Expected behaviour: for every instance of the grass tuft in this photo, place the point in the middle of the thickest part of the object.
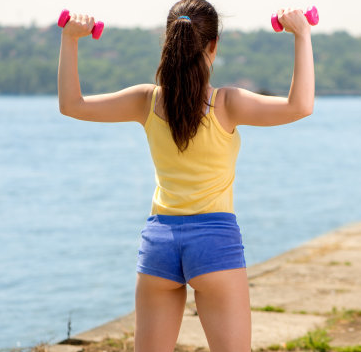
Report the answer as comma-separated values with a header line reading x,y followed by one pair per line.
x,y
316,340
348,349
270,309
275,347
299,312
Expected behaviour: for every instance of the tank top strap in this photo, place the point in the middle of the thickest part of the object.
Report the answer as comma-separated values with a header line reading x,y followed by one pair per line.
x,y
154,96
211,101
152,108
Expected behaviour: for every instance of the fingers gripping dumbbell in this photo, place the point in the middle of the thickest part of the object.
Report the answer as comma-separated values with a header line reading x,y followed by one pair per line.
x,y
311,15
96,31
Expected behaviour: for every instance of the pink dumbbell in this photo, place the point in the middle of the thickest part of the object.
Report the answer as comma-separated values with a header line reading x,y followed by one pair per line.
x,y
96,31
311,15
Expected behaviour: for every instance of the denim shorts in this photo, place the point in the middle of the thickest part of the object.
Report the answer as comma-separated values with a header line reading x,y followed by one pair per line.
x,y
180,247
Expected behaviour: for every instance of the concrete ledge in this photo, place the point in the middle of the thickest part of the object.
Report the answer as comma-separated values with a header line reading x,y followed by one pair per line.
x,y
278,328
113,329
63,348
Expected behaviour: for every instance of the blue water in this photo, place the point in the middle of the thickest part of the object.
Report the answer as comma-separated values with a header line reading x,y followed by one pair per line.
x,y
75,195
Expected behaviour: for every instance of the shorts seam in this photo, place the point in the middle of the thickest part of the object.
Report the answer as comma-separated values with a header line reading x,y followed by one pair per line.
x,y
218,267
158,272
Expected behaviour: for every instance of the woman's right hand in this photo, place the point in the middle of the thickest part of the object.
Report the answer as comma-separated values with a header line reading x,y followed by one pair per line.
x,y
294,21
79,26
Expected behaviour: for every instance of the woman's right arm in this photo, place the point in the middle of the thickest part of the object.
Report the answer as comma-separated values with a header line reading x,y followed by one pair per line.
x,y
129,104
248,108
68,79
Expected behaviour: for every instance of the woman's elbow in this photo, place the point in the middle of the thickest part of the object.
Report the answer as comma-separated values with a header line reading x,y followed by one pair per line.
x,y
63,109
304,111
308,110
68,109
308,107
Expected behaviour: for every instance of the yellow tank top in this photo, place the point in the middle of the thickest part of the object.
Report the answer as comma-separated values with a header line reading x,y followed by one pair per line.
x,y
200,180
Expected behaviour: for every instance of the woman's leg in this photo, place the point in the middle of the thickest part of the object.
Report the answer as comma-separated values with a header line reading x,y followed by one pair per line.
x,y
222,299
159,308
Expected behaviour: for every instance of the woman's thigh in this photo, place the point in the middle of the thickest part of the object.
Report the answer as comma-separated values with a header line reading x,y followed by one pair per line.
x,y
223,305
159,308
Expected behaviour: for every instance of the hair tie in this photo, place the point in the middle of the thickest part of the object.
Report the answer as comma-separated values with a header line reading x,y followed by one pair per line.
x,y
185,17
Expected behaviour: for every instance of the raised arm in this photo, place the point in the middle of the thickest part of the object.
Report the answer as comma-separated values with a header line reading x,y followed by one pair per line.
x,y
248,108
130,104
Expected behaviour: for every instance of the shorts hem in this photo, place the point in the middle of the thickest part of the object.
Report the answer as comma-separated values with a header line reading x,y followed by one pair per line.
x,y
156,272
208,269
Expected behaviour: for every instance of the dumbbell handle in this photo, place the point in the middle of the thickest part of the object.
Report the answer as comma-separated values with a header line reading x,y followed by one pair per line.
x,y
96,31
311,15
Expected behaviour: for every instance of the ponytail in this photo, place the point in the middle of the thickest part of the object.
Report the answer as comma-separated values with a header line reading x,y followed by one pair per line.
x,y
183,73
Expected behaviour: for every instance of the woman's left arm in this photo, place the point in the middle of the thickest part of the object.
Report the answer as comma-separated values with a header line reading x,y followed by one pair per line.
x,y
248,108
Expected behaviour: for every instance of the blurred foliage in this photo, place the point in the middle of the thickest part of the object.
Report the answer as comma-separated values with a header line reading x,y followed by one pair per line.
x,y
260,61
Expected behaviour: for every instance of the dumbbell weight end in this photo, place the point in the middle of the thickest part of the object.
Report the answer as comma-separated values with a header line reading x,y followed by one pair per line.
x,y
63,18
97,30
312,15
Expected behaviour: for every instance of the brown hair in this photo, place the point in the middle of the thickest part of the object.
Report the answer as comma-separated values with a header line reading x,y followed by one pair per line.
x,y
183,73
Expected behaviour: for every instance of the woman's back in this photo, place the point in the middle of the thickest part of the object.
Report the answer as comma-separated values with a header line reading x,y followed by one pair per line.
x,y
200,179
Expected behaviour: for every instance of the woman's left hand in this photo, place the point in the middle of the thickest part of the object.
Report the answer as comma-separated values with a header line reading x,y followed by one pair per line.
x,y
294,21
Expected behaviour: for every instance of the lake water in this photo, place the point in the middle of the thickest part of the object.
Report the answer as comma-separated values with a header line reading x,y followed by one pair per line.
x,y
75,195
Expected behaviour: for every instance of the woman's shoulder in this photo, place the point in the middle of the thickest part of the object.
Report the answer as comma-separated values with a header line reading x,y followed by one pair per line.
x,y
235,103
224,94
149,89
223,98
145,91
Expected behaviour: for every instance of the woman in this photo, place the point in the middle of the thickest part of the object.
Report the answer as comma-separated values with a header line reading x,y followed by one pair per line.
x,y
191,235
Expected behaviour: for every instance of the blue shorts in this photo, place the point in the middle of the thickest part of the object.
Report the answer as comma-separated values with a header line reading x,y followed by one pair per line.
x,y
180,247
